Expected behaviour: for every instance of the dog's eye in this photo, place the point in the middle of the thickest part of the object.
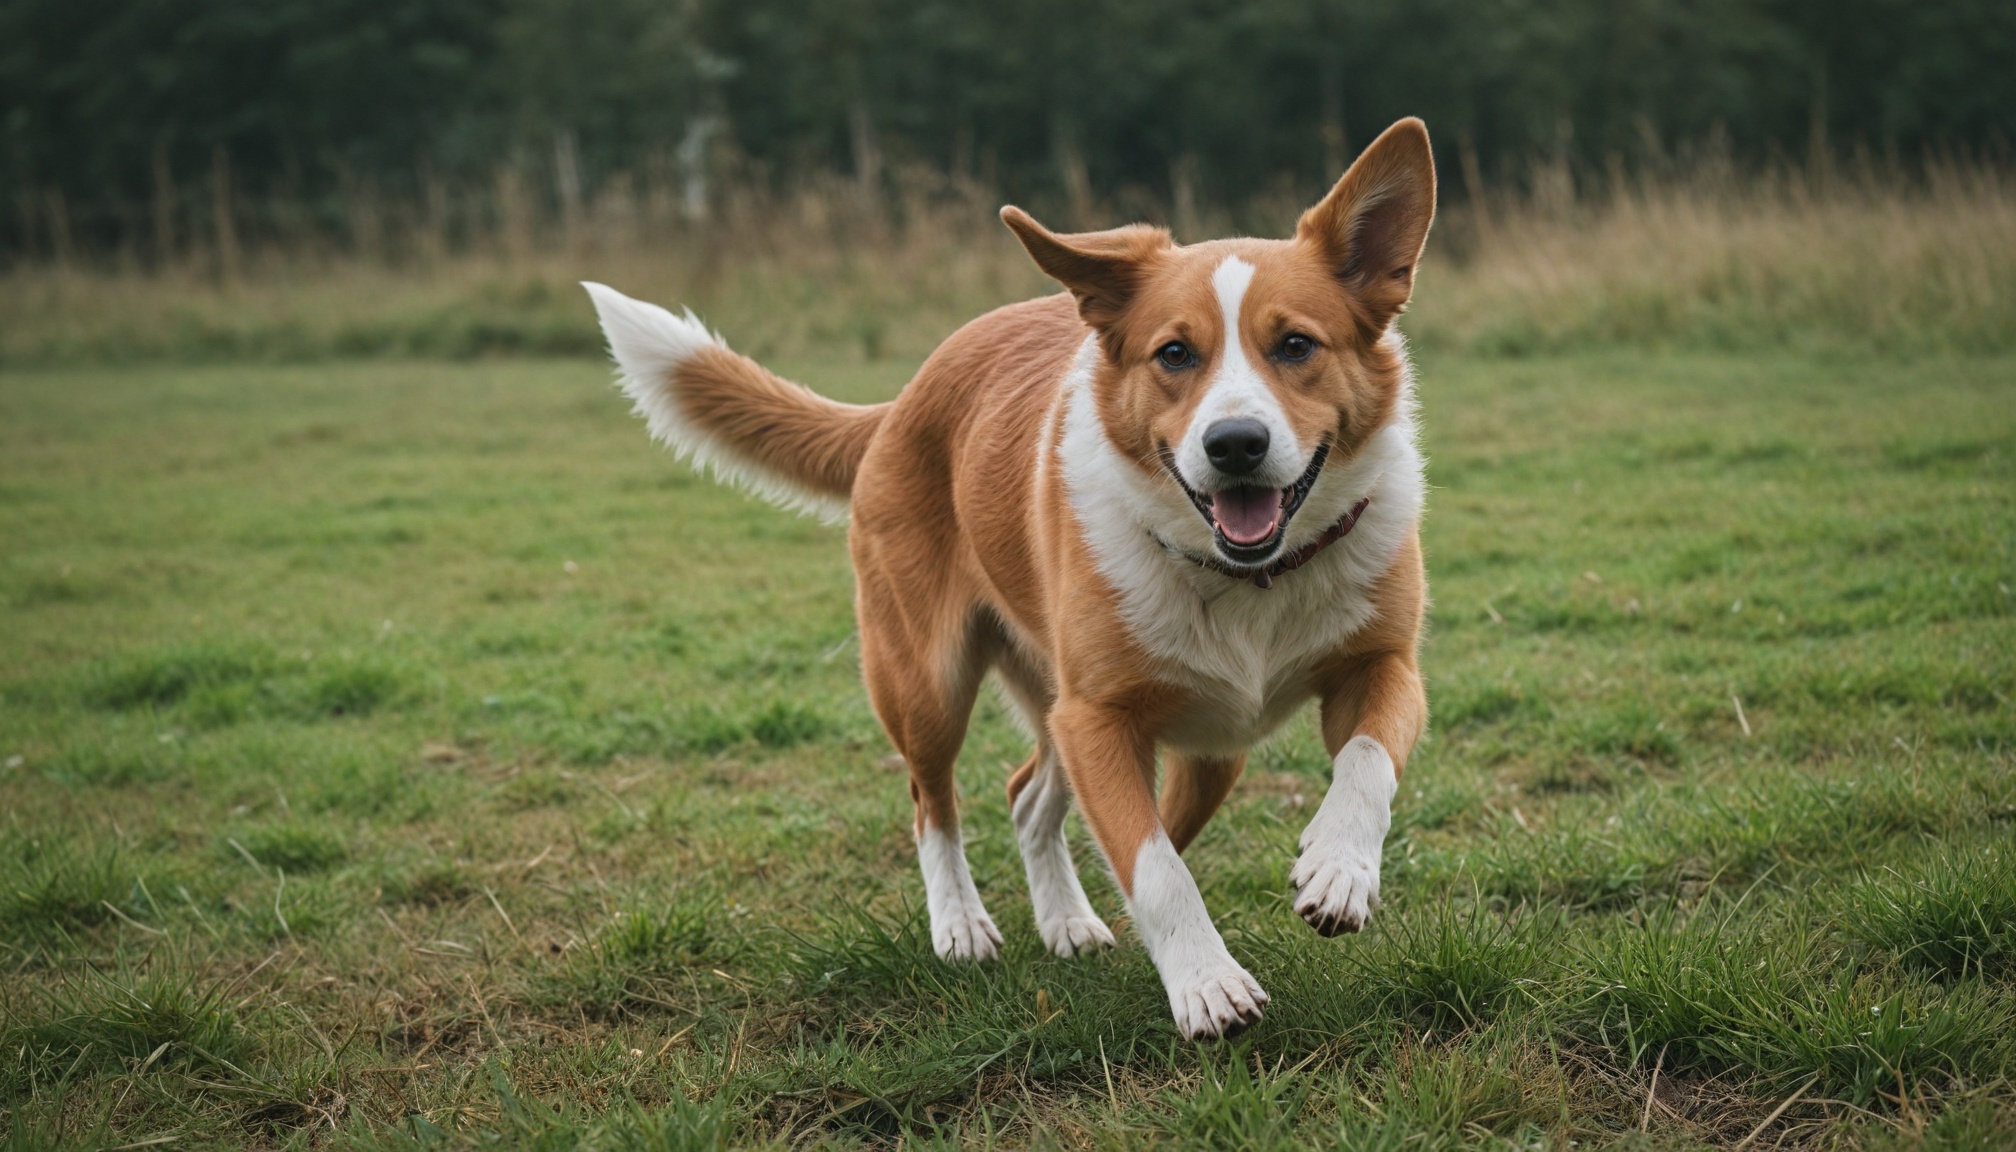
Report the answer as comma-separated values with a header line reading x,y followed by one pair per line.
x,y
1296,348
1176,354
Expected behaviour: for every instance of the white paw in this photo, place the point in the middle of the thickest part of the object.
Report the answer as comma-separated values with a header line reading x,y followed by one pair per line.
x,y
1334,895
966,933
1067,936
1223,1000
960,926
1337,876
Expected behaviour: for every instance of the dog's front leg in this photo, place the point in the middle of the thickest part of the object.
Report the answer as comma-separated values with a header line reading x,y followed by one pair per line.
x,y
1112,767
1372,715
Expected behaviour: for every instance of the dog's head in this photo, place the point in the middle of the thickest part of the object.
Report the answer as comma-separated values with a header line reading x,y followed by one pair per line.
x,y
1237,371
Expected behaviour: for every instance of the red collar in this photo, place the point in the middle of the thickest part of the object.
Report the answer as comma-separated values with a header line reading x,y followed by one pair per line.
x,y
1263,578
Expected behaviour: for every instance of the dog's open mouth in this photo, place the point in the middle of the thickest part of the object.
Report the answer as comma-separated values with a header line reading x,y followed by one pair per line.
x,y
1247,523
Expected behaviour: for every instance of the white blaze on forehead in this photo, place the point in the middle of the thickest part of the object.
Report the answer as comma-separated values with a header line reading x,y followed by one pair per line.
x,y
1236,389
1230,281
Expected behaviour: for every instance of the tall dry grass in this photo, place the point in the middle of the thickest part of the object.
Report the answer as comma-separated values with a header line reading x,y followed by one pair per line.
x,y
1810,257
1863,259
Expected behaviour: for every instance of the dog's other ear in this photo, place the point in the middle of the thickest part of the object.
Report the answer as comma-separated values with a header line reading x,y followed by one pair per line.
x,y
1102,269
1372,226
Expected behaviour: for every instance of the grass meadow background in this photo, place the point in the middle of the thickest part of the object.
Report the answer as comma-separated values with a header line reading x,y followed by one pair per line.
x,y
400,752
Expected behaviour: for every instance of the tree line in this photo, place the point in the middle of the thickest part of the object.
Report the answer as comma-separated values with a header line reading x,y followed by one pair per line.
x,y
122,120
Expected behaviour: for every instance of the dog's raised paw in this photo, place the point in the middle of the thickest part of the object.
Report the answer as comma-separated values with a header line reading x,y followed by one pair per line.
x,y
1335,896
965,935
1219,1004
1069,936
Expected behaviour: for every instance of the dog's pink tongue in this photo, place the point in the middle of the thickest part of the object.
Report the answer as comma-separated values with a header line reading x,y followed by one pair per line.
x,y
1246,515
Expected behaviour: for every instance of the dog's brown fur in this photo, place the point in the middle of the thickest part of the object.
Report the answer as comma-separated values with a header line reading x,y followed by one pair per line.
x,y
966,548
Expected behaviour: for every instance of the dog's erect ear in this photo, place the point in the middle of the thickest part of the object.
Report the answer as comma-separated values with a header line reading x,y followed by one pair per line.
x,y
1373,224
1102,269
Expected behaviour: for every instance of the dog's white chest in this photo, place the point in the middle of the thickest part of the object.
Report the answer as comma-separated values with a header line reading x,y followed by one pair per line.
x,y
1243,656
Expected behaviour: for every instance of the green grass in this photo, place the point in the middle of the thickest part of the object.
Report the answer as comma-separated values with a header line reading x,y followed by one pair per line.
x,y
409,756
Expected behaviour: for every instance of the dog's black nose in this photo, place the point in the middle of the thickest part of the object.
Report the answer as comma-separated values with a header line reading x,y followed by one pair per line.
x,y
1236,446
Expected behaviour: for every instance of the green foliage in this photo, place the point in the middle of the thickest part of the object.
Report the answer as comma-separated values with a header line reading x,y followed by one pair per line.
x,y
786,725
352,690
48,887
538,790
168,678
111,763
1235,1109
337,100
291,847
1969,1125
1449,1098
97,1021
1449,967
216,686
1462,705
704,730
1951,916
428,883
1632,731
1772,999
661,877
639,960
679,1126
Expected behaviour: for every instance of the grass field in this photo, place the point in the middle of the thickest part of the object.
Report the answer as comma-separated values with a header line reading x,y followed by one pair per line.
x,y
409,755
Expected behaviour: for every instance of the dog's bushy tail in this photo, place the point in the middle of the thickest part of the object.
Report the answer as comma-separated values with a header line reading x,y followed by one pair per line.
x,y
725,412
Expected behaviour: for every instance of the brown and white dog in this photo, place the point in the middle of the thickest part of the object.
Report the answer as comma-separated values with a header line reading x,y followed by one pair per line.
x,y
1165,510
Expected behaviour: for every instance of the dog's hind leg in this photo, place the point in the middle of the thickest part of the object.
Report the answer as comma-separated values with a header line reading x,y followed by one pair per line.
x,y
1192,789
924,700
1040,797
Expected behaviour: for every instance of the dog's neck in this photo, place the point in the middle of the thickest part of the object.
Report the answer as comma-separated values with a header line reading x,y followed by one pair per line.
x,y
1263,578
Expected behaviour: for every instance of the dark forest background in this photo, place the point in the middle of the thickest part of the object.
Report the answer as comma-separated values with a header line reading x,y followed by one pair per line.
x,y
116,112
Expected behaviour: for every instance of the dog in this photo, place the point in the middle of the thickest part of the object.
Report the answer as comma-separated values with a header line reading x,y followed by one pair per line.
x,y
1165,508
